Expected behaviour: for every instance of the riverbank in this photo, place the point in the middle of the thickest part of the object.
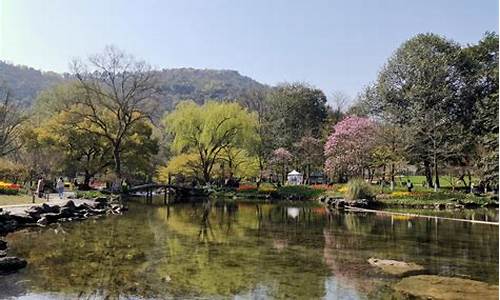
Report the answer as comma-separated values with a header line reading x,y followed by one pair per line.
x,y
15,217
421,199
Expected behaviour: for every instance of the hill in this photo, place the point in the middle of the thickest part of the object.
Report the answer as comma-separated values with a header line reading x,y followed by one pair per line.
x,y
176,84
201,85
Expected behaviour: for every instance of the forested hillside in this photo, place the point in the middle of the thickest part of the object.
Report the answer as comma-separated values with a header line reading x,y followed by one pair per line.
x,y
199,85
24,83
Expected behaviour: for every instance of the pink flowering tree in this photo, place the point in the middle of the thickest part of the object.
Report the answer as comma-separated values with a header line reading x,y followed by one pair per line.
x,y
281,157
348,148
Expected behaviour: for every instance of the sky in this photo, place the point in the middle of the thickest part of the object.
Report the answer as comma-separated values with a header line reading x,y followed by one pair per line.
x,y
338,46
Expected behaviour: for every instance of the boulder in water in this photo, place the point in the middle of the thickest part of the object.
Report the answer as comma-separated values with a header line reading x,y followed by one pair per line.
x,y
439,287
10,264
395,267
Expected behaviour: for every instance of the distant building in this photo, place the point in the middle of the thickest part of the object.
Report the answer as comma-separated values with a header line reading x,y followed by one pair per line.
x,y
294,178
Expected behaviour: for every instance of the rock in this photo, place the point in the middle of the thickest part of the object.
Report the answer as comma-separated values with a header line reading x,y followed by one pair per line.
x,y
51,217
22,218
439,206
66,212
42,221
35,211
439,287
83,206
470,205
8,225
396,268
50,208
10,264
101,199
3,245
362,203
70,205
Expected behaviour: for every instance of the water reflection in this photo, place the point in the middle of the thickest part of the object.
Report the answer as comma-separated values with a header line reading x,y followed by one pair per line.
x,y
242,250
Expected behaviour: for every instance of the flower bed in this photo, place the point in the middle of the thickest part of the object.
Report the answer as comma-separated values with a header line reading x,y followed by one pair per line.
x,y
246,188
7,188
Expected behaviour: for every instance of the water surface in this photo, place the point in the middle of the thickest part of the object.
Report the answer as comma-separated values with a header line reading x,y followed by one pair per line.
x,y
240,250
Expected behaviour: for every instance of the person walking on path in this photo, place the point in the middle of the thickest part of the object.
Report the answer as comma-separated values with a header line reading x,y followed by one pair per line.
x,y
40,187
60,187
409,185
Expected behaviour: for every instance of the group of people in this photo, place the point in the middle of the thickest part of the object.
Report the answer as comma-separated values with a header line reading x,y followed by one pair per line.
x,y
59,186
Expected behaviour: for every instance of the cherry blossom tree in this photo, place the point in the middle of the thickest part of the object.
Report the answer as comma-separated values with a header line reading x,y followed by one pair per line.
x,y
348,148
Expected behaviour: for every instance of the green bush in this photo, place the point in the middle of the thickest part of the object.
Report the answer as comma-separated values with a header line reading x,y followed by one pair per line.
x,y
298,192
4,191
88,194
359,189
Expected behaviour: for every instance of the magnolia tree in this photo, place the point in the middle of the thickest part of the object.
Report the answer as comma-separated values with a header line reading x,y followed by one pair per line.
x,y
348,148
281,157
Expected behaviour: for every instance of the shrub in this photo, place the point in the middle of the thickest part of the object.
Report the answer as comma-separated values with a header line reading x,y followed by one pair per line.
x,y
358,189
88,194
246,188
267,189
298,192
322,187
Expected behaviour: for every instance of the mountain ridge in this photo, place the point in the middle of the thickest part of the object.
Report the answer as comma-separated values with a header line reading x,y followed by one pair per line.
x,y
176,84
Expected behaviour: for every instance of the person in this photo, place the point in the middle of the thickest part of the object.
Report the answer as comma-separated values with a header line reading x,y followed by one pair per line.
x,y
40,187
60,187
409,185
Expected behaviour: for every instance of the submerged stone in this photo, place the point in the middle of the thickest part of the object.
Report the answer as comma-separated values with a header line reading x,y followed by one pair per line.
x,y
444,288
395,267
10,264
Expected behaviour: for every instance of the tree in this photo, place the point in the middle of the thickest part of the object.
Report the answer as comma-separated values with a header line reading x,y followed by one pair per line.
x,y
119,92
480,69
296,110
281,158
11,120
309,154
239,163
78,151
418,89
261,147
209,129
390,150
348,150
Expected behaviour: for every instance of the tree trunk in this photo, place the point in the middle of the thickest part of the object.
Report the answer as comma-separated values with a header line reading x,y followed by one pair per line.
x,y
86,181
436,174
118,166
428,173
392,177
470,180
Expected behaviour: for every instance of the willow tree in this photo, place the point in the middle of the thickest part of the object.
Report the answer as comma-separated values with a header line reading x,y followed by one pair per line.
x,y
119,92
209,129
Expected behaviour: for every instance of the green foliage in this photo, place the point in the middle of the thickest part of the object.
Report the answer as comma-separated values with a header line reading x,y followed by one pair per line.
x,y
88,194
296,110
358,189
298,192
209,130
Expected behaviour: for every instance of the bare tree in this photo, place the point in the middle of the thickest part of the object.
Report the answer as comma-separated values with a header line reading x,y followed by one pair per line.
x,y
11,119
119,92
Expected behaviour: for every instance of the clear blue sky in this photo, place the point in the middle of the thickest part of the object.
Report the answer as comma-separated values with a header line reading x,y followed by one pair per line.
x,y
334,45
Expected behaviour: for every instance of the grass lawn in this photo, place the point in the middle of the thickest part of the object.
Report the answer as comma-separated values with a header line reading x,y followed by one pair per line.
x,y
18,199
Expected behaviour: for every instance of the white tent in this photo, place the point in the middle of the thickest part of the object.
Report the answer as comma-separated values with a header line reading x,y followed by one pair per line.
x,y
294,178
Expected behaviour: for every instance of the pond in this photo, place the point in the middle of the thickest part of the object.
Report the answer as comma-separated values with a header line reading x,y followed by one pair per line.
x,y
240,250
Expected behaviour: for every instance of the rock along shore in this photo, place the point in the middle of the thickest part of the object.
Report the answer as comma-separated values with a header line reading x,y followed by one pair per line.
x,y
14,218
